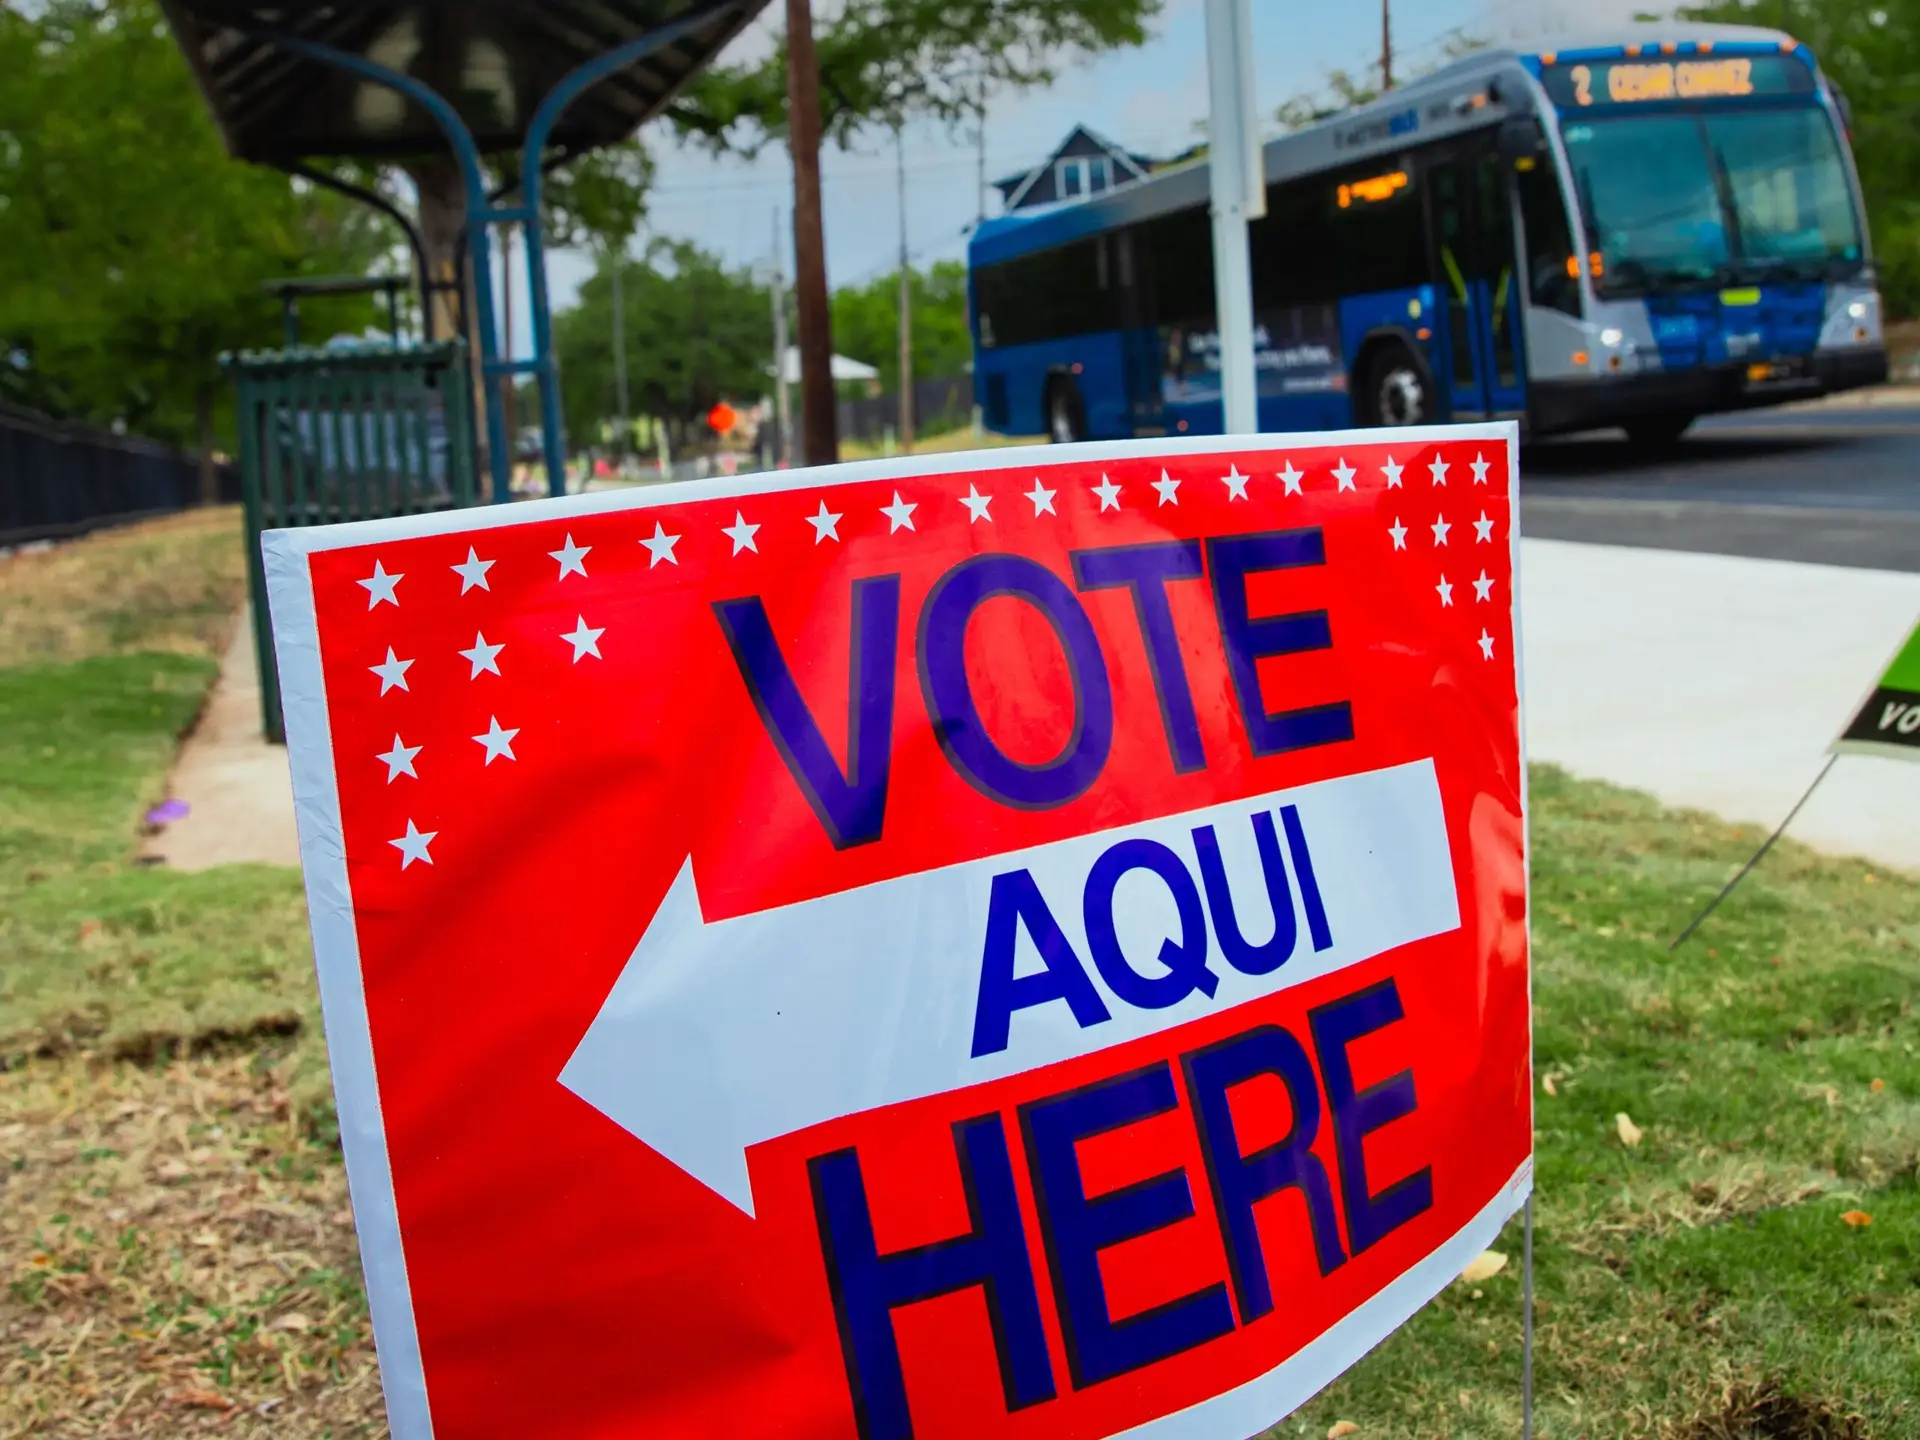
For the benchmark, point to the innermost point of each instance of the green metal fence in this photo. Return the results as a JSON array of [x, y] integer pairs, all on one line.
[[346, 433]]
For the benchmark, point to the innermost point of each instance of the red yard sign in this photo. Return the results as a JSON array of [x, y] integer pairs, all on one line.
[[1029, 943]]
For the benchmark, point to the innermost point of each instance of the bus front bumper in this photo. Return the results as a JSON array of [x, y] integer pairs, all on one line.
[[1555, 407]]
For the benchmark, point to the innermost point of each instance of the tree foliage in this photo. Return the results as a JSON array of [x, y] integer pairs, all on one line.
[[866, 322], [1344, 90], [884, 61], [133, 248], [696, 333], [597, 200], [1871, 48]]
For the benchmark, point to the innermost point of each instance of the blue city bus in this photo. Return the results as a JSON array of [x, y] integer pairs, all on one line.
[[1632, 232]]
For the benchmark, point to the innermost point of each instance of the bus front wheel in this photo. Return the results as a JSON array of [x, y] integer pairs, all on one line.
[[1397, 389], [1066, 415]]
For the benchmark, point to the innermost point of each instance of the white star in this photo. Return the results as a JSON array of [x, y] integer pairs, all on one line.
[[1042, 498], [1482, 529], [1445, 590], [413, 845], [399, 760], [1486, 645], [1343, 472], [660, 546], [1438, 469], [1399, 534], [585, 641], [1289, 478], [741, 533], [472, 572], [976, 504], [1109, 494], [1479, 469], [498, 742], [380, 587], [1392, 471], [823, 524], [572, 558], [1440, 529], [899, 514], [1483, 587], [1235, 482], [482, 656], [392, 672], [1167, 485]]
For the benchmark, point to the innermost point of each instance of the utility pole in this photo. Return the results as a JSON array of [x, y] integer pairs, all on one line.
[[783, 435], [1386, 44], [618, 257], [980, 153], [906, 303], [1239, 194], [817, 418]]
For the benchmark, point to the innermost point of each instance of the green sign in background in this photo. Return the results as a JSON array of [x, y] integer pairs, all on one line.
[[1889, 723], [1904, 672]]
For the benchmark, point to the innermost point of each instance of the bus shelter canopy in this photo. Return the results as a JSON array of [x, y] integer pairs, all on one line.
[[493, 61]]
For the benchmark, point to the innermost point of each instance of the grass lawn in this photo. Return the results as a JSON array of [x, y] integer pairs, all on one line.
[[176, 1255]]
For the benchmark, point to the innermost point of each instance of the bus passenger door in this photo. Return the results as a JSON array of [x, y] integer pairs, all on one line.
[[1478, 291]]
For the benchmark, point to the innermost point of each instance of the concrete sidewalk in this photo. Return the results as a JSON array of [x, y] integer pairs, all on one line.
[[238, 789], [1717, 682], [1709, 680]]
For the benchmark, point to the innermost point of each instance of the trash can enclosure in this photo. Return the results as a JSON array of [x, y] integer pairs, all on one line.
[[347, 433]]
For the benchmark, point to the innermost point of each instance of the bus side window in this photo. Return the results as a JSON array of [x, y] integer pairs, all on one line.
[[1552, 272], [1180, 260], [1294, 260], [1048, 295]]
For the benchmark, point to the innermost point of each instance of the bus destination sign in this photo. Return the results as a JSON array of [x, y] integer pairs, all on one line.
[[1707, 77]]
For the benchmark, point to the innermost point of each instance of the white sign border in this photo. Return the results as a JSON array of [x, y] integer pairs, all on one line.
[[336, 947]]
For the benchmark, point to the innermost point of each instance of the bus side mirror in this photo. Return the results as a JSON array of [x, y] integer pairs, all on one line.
[[1521, 139]]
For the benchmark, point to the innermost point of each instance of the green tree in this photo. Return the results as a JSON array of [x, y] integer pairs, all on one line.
[[1871, 48], [697, 333], [866, 322], [1344, 90], [134, 248], [883, 61]]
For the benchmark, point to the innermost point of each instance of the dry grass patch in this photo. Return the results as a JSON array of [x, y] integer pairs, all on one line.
[[177, 1258], [1766, 1410], [168, 585]]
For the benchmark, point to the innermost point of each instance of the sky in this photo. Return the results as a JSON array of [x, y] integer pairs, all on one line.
[[1151, 100]]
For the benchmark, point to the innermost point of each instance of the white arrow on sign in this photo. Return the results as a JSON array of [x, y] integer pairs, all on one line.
[[719, 1036]]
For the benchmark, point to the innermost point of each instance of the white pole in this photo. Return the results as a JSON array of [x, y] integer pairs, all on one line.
[[1239, 195]]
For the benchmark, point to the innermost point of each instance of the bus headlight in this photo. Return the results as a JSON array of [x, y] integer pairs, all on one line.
[[1610, 336], [1858, 309]]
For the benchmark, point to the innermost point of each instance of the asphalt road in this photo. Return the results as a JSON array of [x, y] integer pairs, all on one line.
[[1837, 484]]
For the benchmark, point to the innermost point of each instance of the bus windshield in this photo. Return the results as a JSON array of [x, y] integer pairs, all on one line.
[[1737, 196]]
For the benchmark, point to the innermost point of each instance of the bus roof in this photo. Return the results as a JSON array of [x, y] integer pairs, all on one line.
[[1454, 99]]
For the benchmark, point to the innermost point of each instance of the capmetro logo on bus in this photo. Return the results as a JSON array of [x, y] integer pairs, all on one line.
[[1029, 943]]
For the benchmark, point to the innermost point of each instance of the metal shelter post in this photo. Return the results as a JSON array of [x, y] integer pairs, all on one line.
[[483, 213], [479, 214], [575, 83]]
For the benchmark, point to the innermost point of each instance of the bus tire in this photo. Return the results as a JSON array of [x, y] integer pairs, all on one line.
[[1395, 387], [1656, 432], [1066, 411]]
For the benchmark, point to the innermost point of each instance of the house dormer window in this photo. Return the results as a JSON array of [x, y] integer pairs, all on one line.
[[1083, 165]]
